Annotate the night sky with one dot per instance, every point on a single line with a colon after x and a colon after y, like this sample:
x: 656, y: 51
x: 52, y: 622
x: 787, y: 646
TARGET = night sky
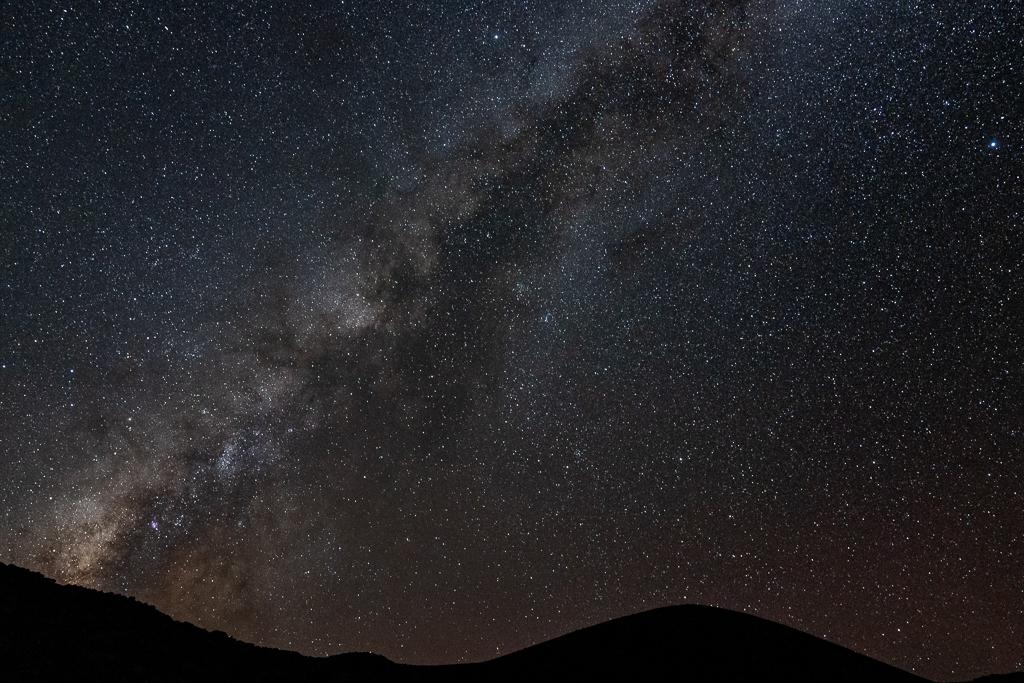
x: 440, y: 329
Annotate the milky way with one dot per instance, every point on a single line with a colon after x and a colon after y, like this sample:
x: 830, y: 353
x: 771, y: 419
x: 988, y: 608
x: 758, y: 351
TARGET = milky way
x: 440, y: 330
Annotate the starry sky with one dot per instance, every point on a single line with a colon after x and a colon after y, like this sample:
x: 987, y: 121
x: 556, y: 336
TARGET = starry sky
x: 440, y: 329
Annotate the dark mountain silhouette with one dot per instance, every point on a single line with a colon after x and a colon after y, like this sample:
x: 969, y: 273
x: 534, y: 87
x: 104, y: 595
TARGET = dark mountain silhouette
x: 55, y: 632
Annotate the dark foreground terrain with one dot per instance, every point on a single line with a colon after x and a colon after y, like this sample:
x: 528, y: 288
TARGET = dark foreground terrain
x: 54, y: 632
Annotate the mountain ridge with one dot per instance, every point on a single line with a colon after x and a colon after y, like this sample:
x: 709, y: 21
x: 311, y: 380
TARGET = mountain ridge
x: 57, y: 631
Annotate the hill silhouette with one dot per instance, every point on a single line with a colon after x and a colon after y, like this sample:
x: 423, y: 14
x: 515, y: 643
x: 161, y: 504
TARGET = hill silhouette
x: 60, y: 632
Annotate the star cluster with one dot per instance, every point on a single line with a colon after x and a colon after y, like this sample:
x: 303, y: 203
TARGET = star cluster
x: 439, y: 329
